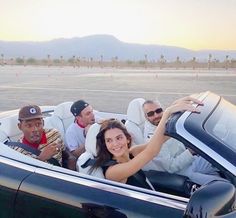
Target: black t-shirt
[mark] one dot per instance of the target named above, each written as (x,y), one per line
(138,179)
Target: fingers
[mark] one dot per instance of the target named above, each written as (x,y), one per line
(188,99)
(53,148)
(181,106)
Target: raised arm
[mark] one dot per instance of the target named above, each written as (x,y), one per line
(122,171)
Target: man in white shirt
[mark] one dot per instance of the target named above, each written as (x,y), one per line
(174,157)
(76,132)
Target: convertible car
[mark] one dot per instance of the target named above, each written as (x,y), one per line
(32,188)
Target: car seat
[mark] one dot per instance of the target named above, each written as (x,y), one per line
(3,137)
(90,153)
(61,118)
(135,120)
(9,127)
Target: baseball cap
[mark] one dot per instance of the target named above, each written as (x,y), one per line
(30,112)
(78,106)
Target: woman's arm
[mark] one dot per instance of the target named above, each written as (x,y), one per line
(122,171)
(136,149)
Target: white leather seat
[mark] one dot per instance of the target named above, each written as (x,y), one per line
(3,137)
(135,120)
(61,118)
(90,152)
(9,127)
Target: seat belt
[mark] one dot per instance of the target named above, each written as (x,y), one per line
(90,162)
(31,150)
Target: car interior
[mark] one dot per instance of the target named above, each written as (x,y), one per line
(61,118)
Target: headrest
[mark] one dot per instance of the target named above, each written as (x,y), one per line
(135,111)
(63,110)
(91,140)
(3,137)
(9,126)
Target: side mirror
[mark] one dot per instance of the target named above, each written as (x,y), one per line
(216,199)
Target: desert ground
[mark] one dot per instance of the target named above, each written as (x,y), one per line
(107,89)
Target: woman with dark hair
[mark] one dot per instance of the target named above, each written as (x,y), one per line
(118,162)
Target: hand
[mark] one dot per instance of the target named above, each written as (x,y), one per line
(59,143)
(188,99)
(49,151)
(183,104)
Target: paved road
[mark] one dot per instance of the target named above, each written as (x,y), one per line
(107,89)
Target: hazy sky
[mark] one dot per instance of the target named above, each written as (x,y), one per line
(194,24)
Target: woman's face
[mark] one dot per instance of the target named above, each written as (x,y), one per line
(116,142)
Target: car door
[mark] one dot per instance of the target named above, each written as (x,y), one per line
(11,176)
(54,194)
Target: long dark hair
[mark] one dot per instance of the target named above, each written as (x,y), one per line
(103,155)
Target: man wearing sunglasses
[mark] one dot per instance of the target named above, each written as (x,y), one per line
(174,157)
(153,113)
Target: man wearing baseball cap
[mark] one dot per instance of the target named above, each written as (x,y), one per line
(47,141)
(76,132)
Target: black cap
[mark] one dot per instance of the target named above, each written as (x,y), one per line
(78,106)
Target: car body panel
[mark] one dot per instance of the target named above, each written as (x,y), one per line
(56,194)
(32,188)
(10,181)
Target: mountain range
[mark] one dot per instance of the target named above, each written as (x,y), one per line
(106,45)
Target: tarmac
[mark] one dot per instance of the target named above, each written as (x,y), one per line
(108,89)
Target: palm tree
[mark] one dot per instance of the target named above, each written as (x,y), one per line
(209,61)
(73,61)
(24,61)
(178,62)
(61,60)
(162,61)
(91,62)
(146,60)
(2,61)
(226,62)
(194,62)
(101,61)
(116,61)
(49,60)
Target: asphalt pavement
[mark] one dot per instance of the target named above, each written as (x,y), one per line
(107,89)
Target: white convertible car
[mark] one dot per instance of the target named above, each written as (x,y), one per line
(31,188)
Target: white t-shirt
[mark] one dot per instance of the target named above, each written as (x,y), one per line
(149,130)
(75,136)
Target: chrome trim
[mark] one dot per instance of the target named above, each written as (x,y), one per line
(17,164)
(178,203)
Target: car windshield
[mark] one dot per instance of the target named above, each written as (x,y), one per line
(222,124)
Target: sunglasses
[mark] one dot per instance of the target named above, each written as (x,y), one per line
(157,111)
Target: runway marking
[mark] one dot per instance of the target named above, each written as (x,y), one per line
(156,74)
(103,90)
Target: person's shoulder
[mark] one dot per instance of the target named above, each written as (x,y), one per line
(71,127)
(147,123)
